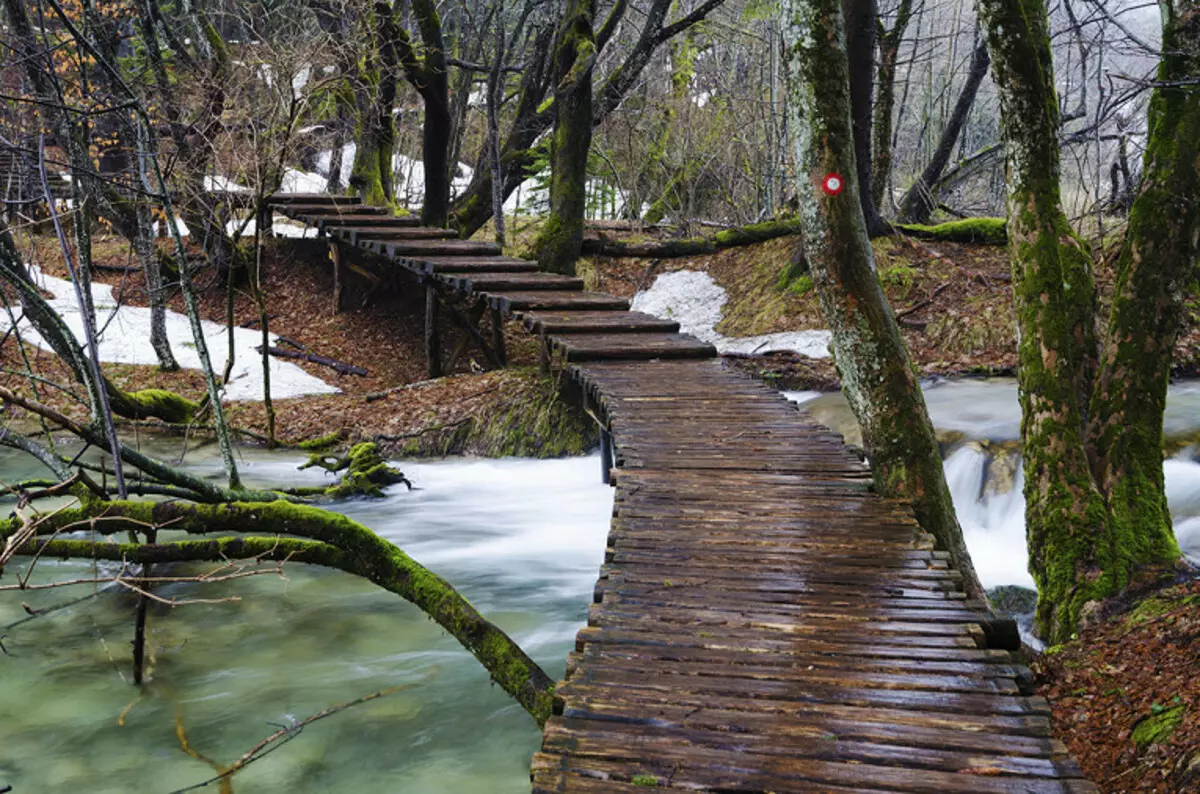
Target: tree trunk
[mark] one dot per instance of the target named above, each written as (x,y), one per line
(860,18)
(372,171)
(877,374)
(1066,523)
(147,255)
(561,238)
(921,199)
(434,85)
(1157,261)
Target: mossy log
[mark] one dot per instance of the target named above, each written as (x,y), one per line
(993,231)
(366,473)
(692,246)
(319,538)
(151,404)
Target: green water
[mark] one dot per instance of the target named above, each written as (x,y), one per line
(522,539)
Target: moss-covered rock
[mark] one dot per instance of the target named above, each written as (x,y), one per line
(969,230)
(1158,727)
(1012,599)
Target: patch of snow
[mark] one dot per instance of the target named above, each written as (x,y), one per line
(125,339)
(296,181)
(223,184)
(694,300)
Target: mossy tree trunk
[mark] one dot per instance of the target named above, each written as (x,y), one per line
(877,375)
(1095,514)
(293,533)
(1158,261)
(561,239)
(888,42)
(371,174)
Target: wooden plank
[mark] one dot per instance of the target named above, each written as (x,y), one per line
(490,282)
(355,233)
(416,249)
(478,264)
(588,322)
(592,347)
(518,301)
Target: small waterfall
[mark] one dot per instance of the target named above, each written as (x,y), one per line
(986,485)
(987,481)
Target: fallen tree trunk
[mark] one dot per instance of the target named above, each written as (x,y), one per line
(692,246)
(313,358)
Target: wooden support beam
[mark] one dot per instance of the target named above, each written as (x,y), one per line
(606,456)
(335,256)
(468,323)
(543,353)
(498,344)
(433,338)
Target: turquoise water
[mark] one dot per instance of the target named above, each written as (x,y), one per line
(522,539)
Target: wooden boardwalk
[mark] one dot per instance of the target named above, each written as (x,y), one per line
(763,621)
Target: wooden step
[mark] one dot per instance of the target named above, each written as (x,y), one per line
(414,251)
(356,234)
(295,210)
(522,301)
(359,220)
(634,346)
(316,199)
(592,322)
(479,264)
(493,282)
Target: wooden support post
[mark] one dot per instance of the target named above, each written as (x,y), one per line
(433,338)
(335,256)
(264,221)
(498,337)
(544,353)
(606,455)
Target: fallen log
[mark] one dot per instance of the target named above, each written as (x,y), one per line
(342,369)
(691,246)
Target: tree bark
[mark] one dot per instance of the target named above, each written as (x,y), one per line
(561,238)
(885,82)
(921,199)
(860,25)
(877,374)
(1076,553)
(1157,261)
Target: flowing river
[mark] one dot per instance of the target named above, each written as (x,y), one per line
(522,539)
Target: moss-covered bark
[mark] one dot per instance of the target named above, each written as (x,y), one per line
(1094,515)
(561,238)
(878,378)
(328,539)
(1157,262)
(968,230)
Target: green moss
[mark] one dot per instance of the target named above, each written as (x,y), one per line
(645,780)
(969,230)
(366,473)
(321,443)
(153,404)
(898,277)
(757,232)
(1147,610)
(1157,728)
(801,285)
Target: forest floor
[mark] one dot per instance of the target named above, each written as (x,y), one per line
(953,302)
(1126,695)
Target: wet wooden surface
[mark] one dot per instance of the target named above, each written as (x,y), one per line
(763,621)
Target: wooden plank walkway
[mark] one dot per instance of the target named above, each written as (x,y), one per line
(763,621)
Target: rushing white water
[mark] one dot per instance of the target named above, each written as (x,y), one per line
(523,540)
(694,300)
(124,333)
(986,477)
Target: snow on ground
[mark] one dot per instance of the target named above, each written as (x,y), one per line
(694,300)
(125,339)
